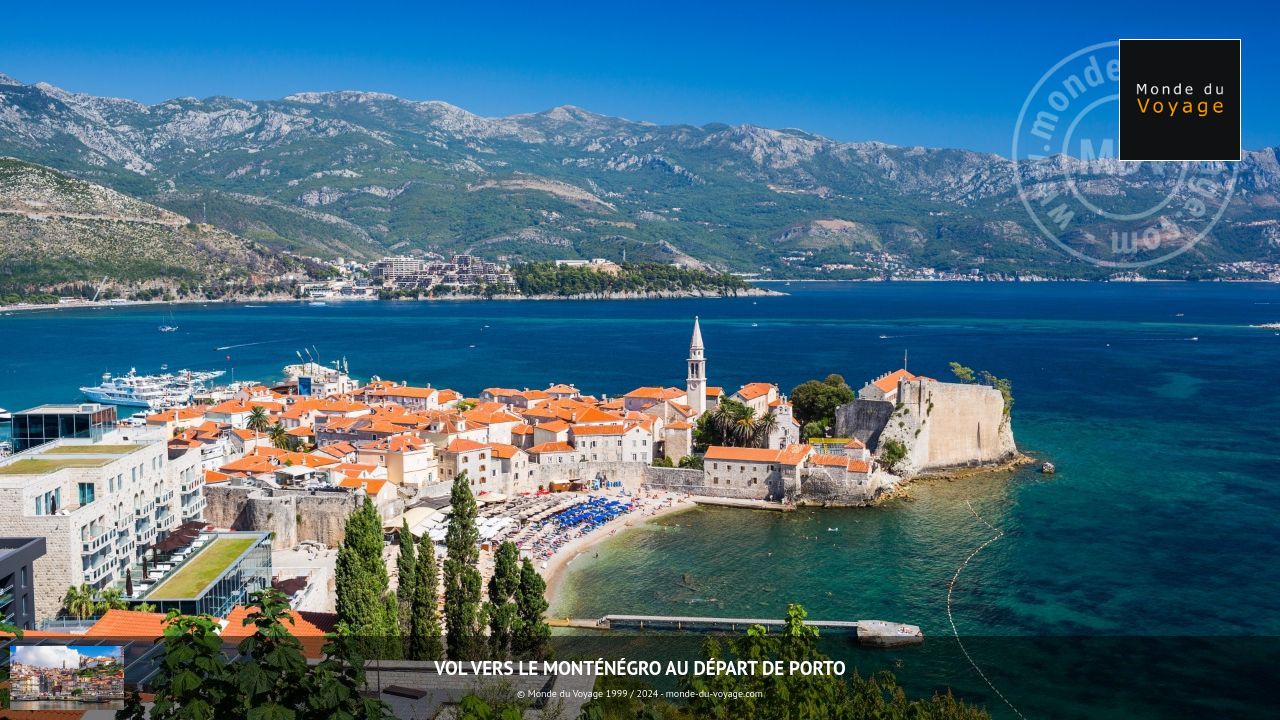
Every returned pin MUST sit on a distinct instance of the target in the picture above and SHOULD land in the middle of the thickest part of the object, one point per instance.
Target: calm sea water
(1157, 403)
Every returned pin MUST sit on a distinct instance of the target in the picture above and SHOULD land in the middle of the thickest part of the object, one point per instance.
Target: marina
(150, 391)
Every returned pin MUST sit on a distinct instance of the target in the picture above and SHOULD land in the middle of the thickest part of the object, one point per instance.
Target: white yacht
(149, 391)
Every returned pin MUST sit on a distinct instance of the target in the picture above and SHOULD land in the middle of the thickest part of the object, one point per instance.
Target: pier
(879, 633)
(741, 503)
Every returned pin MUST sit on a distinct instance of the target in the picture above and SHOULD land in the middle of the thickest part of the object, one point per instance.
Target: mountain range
(361, 174)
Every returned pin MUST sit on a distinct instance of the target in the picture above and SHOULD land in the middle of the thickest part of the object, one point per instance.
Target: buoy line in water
(951, 588)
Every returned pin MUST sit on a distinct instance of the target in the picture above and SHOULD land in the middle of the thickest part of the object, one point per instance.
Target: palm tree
(79, 601)
(258, 420)
(764, 427)
(280, 437)
(111, 599)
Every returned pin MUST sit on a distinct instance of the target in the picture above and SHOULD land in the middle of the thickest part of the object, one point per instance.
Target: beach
(655, 505)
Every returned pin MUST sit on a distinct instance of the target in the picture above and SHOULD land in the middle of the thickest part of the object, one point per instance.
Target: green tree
(111, 599)
(258, 420)
(462, 610)
(271, 679)
(816, 401)
(194, 681)
(407, 572)
(361, 580)
(532, 640)
(503, 612)
(424, 622)
(734, 424)
(280, 438)
(892, 452)
(962, 373)
(79, 602)
(663, 461)
(798, 696)
(814, 429)
(271, 682)
(693, 462)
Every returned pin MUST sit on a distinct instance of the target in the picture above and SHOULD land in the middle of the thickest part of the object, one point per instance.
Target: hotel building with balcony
(98, 503)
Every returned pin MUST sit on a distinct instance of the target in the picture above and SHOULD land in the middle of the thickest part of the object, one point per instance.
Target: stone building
(98, 504)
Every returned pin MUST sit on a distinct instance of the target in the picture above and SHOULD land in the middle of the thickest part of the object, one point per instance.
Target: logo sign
(1078, 192)
(1180, 100)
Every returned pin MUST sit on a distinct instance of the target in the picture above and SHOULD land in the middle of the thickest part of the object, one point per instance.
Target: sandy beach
(656, 505)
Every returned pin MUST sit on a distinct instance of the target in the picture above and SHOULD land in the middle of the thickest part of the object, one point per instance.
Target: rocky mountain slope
(57, 231)
(360, 174)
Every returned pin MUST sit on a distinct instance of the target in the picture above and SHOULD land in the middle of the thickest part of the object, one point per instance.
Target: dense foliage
(531, 639)
(546, 278)
(425, 636)
(364, 602)
(463, 614)
(734, 424)
(501, 609)
(270, 680)
(407, 575)
(815, 401)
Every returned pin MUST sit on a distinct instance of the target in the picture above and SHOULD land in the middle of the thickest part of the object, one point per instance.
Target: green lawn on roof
(201, 569)
(42, 465)
(93, 449)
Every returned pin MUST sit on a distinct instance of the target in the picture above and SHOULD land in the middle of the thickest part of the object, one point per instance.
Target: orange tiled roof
(398, 443)
(855, 444)
(830, 460)
(596, 415)
(129, 624)
(736, 454)
(751, 391)
(554, 426)
(461, 445)
(679, 425)
(371, 486)
(550, 447)
(859, 466)
(186, 413)
(794, 454)
(562, 388)
(889, 382)
(504, 451)
(655, 393)
(613, 429)
(213, 476)
(310, 635)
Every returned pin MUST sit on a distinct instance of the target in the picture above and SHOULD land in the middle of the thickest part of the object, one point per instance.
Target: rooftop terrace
(203, 568)
(56, 456)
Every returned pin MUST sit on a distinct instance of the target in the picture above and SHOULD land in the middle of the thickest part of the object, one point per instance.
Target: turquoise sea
(1139, 580)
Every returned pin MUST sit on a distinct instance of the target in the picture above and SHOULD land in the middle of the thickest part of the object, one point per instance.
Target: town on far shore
(214, 492)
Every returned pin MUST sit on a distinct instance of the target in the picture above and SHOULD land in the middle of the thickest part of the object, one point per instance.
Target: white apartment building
(98, 504)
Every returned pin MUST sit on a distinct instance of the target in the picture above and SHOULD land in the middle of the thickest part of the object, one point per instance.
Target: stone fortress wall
(942, 425)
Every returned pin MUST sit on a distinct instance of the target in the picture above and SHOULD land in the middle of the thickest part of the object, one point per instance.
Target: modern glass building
(17, 580)
(220, 572)
(47, 423)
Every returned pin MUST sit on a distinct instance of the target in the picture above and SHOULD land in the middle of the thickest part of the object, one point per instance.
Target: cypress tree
(407, 569)
(464, 636)
(532, 639)
(503, 611)
(361, 580)
(424, 618)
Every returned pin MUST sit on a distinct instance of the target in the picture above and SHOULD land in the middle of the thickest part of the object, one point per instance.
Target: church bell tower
(696, 386)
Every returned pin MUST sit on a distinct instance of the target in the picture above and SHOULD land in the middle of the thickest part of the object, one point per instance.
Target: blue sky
(910, 73)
